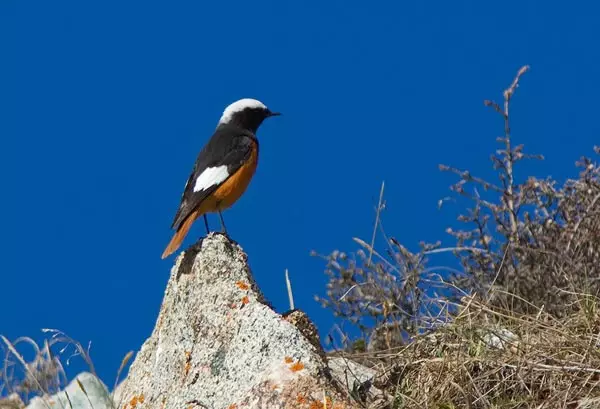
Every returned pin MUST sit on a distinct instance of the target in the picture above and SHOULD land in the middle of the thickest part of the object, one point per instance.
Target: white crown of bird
(239, 106)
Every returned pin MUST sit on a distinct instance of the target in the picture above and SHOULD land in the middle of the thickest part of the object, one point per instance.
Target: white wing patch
(211, 177)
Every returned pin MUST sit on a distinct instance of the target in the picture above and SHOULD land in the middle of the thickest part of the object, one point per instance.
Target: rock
(357, 379)
(301, 321)
(218, 345)
(500, 338)
(96, 395)
(13, 401)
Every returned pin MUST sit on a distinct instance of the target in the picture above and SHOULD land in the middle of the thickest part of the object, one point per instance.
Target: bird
(223, 168)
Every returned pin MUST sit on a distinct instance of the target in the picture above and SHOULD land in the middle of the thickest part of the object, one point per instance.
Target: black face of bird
(247, 114)
(252, 118)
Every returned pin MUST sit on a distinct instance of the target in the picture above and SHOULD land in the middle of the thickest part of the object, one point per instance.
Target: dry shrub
(534, 239)
(531, 238)
(526, 260)
(389, 297)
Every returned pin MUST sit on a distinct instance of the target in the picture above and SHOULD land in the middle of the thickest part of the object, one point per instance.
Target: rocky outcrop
(84, 392)
(217, 344)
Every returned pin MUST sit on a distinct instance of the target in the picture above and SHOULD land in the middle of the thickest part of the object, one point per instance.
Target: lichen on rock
(217, 343)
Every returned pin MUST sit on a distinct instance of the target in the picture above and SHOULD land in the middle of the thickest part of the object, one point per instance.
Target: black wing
(230, 146)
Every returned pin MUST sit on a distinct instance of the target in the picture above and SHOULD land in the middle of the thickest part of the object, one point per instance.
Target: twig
(350, 289)
(499, 268)
(544, 367)
(513, 87)
(372, 250)
(376, 221)
(121, 367)
(447, 249)
(288, 283)
(508, 93)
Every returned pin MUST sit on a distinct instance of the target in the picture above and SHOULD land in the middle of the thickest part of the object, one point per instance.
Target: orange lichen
(232, 406)
(245, 300)
(298, 366)
(242, 285)
(319, 404)
(135, 400)
(301, 400)
(188, 362)
(288, 359)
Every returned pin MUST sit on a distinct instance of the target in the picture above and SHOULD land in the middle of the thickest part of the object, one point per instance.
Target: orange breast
(234, 187)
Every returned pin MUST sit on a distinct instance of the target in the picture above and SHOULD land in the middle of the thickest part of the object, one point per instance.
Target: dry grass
(492, 358)
(42, 373)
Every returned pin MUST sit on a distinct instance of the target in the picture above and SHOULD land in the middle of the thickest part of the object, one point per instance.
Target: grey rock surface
(96, 395)
(358, 379)
(217, 344)
(349, 372)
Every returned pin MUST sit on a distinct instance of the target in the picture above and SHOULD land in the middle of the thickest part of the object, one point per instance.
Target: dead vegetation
(511, 321)
(30, 369)
(488, 357)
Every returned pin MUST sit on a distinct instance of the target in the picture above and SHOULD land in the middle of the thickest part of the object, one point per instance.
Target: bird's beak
(275, 114)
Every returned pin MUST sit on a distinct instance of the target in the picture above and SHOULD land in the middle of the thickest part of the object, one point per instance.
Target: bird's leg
(223, 228)
(206, 224)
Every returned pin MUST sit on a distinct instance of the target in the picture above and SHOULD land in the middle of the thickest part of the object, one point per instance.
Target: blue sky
(104, 106)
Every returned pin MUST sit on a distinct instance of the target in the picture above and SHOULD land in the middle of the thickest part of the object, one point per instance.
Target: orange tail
(179, 235)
